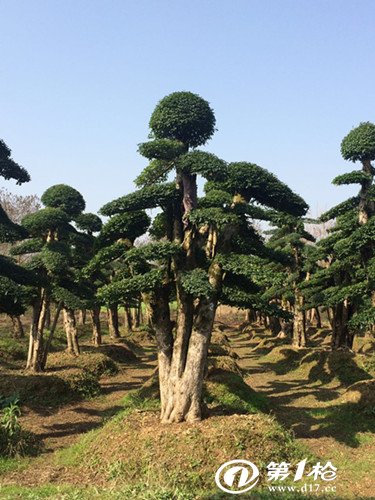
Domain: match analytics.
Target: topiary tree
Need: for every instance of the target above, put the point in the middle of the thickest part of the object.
(197, 243)
(346, 281)
(290, 238)
(12, 296)
(50, 256)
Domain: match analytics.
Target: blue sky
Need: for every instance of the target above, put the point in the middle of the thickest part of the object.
(287, 81)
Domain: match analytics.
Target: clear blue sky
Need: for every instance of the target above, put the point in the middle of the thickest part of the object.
(287, 79)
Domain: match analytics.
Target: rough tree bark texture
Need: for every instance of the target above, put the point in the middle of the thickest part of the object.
(18, 331)
(71, 331)
(35, 353)
(52, 330)
(113, 322)
(299, 321)
(127, 320)
(96, 328)
(341, 336)
(82, 317)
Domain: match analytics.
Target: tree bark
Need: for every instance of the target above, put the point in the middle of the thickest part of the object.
(113, 323)
(299, 321)
(52, 330)
(18, 331)
(127, 319)
(34, 358)
(341, 336)
(96, 328)
(82, 317)
(71, 331)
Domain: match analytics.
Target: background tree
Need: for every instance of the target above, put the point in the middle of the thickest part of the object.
(12, 295)
(50, 252)
(346, 279)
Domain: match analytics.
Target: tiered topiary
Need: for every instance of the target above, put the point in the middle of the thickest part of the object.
(201, 241)
(346, 280)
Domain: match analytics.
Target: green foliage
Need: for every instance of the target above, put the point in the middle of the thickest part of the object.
(31, 245)
(9, 169)
(185, 117)
(205, 164)
(124, 226)
(45, 220)
(196, 283)
(17, 273)
(355, 177)
(256, 183)
(9, 231)
(123, 290)
(215, 198)
(153, 252)
(12, 297)
(68, 199)
(156, 172)
(359, 144)
(85, 384)
(162, 149)
(340, 209)
(88, 222)
(148, 197)
(13, 440)
(214, 215)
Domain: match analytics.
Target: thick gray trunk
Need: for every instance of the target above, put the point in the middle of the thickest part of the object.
(35, 353)
(18, 331)
(52, 330)
(113, 323)
(71, 331)
(96, 328)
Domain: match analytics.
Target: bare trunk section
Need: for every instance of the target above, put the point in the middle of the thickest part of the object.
(82, 317)
(96, 328)
(113, 323)
(71, 331)
(341, 336)
(18, 331)
(127, 320)
(299, 321)
(52, 330)
(35, 354)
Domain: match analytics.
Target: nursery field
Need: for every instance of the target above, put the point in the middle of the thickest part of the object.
(91, 423)
(183, 344)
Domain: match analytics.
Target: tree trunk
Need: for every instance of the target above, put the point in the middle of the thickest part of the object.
(274, 325)
(82, 317)
(113, 323)
(48, 317)
(250, 316)
(35, 354)
(18, 331)
(341, 337)
(96, 328)
(135, 316)
(318, 318)
(50, 336)
(71, 331)
(299, 321)
(127, 319)
(183, 401)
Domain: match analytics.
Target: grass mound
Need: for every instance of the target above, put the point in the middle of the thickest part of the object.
(362, 394)
(134, 448)
(97, 363)
(325, 366)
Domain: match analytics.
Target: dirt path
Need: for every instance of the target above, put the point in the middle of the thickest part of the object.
(61, 428)
(303, 405)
